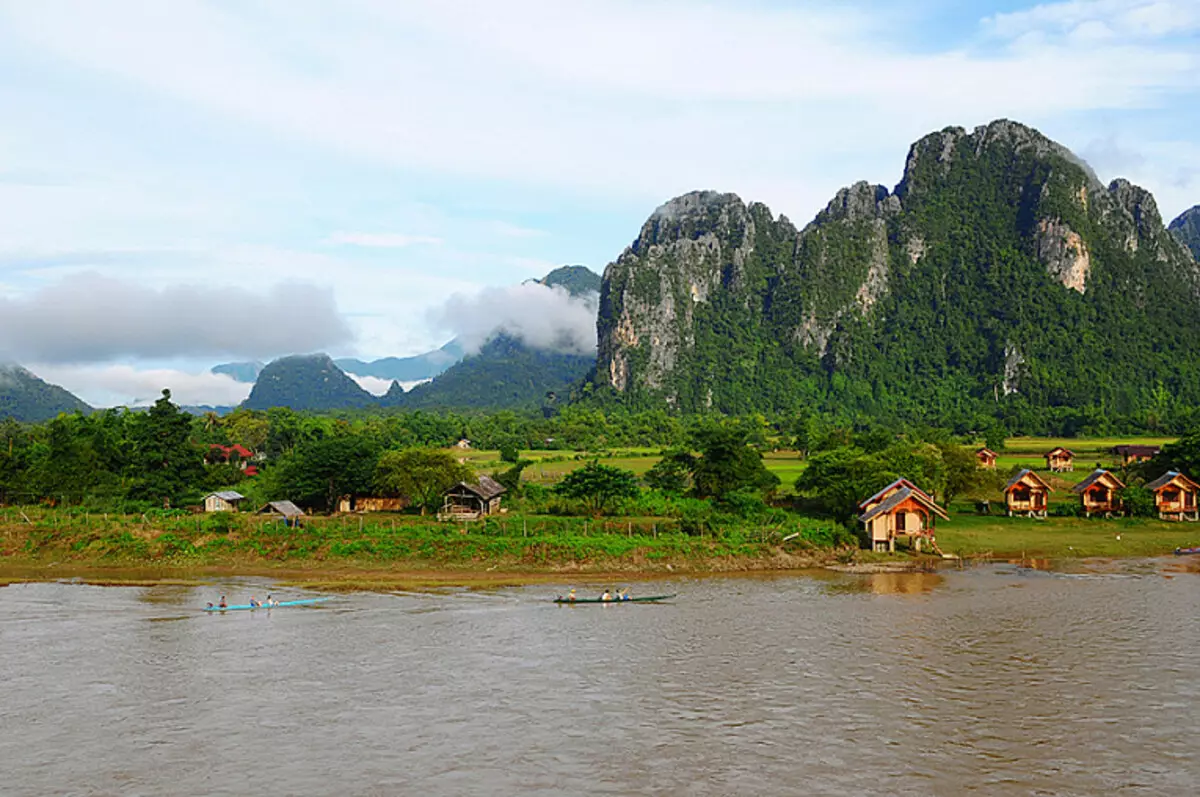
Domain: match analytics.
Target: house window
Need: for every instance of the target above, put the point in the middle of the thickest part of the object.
(901, 521)
(1170, 496)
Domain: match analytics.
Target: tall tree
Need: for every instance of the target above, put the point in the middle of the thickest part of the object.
(420, 474)
(166, 464)
(727, 463)
(598, 485)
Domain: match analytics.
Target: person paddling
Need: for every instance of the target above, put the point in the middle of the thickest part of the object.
(222, 604)
(607, 596)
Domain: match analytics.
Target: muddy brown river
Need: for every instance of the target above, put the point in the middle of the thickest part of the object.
(993, 681)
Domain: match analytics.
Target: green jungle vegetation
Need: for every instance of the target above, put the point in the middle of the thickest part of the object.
(621, 491)
(25, 397)
(1187, 229)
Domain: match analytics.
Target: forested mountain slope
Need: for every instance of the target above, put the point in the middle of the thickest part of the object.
(25, 397)
(1187, 229)
(306, 382)
(1000, 277)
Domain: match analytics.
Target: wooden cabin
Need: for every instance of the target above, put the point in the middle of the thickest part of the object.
(286, 511)
(371, 503)
(1027, 494)
(900, 510)
(986, 458)
(1175, 496)
(1098, 493)
(472, 500)
(223, 501)
(1060, 460)
(1132, 454)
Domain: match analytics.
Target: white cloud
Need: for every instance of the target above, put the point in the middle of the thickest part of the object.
(92, 318)
(541, 316)
(383, 240)
(125, 385)
(1095, 20)
(372, 384)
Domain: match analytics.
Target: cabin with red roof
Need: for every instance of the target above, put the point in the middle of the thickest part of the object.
(900, 510)
(1098, 493)
(1027, 494)
(235, 454)
(1175, 496)
(1060, 460)
(986, 458)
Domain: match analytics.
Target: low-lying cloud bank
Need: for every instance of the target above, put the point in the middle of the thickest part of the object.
(90, 318)
(124, 385)
(541, 316)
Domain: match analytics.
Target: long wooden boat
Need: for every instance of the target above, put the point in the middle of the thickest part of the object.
(645, 599)
(1186, 551)
(246, 607)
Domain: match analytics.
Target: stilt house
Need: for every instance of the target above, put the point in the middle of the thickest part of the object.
(986, 458)
(1027, 494)
(1060, 460)
(900, 510)
(1098, 493)
(1175, 496)
(472, 500)
(1131, 454)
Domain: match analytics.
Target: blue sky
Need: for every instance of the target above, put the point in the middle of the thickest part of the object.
(383, 157)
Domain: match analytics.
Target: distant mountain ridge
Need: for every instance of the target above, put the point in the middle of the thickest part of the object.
(1186, 228)
(27, 398)
(576, 280)
(406, 369)
(306, 382)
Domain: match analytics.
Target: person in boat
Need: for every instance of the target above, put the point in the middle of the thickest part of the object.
(271, 601)
(607, 596)
(571, 595)
(624, 594)
(222, 604)
(209, 606)
(253, 603)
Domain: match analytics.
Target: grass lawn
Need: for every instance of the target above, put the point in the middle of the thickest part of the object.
(969, 534)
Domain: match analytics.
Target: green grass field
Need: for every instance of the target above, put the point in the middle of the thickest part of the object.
(1003, 537)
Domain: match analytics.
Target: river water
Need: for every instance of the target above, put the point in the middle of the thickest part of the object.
(995, 680)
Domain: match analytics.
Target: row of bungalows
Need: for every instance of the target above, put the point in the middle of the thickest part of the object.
(1058, 460)
(900, 510)
(1175, 495)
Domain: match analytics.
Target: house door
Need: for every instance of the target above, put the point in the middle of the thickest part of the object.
(901, 521)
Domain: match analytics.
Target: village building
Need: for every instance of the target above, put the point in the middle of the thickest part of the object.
(986, 458)
(1175, 496)
(235, 454)
(472, 500)
(286, 511)
(463, 444)
(900, 510)
(1027, 494)
(1060, 460)
(1098, 493)
(223, 501)
(371, 503)
(1133, 454)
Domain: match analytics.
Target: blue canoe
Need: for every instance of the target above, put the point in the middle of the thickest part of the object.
(246, 607)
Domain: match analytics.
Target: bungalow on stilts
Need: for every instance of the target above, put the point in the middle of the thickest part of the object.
(1098, 493)
(900, 510)
(1026, 494)
(986, 458)
(1059, 460)
(1175, 496)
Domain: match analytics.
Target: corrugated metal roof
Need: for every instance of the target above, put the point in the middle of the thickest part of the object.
(228, 495)
(285, 508)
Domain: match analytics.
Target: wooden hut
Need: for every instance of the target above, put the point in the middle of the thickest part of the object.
(900, 510)
(1132, 454)
(223, 501)
(986, 458)
(1060, 460)
(1027, 494)
(472, 500)
(286, 511)
(1098, 493)
(1175, 496)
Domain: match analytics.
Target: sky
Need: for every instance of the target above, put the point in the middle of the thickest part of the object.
(189, 182)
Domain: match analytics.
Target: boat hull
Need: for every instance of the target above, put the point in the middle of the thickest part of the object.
(646, 599)
(1186, 551)
(246, 607)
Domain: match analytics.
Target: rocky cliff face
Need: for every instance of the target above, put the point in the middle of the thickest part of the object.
(997, 260)
(1186, 230)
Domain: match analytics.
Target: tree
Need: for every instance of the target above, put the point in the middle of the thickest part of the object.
(598, 485)
(727, 464)
(420, 474)
(166, 464)
(510, 451)
(318, 472)
(1138, 501)
(995, 436)
(673, 472)
(838, 479)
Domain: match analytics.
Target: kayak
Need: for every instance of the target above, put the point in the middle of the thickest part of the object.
(246, 607)
(647, 599)
(1186, 551)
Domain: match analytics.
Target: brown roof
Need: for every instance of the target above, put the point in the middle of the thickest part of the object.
(901, 482)
(1136, 451)
(987, 452)
(899, 497)
(1167, 478)
(485, 487)
(1059, 450)
(1094, 477)
(285, 508)
(1021, 475)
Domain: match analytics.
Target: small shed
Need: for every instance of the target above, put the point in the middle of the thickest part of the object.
(472, 500)
(986, 458)
(371, 503)
(1060, 460)
(223, 501)
(1098, 493)
(285, 510)
(1175, 496)
(463, 444)
(900, 510)
(1027, 494)
(1132, 454)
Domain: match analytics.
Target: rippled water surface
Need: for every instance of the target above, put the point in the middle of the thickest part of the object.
(992, 681)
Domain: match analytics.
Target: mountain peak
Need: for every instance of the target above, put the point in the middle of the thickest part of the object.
(1186, 228)
(25, 397)
(306, 382)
